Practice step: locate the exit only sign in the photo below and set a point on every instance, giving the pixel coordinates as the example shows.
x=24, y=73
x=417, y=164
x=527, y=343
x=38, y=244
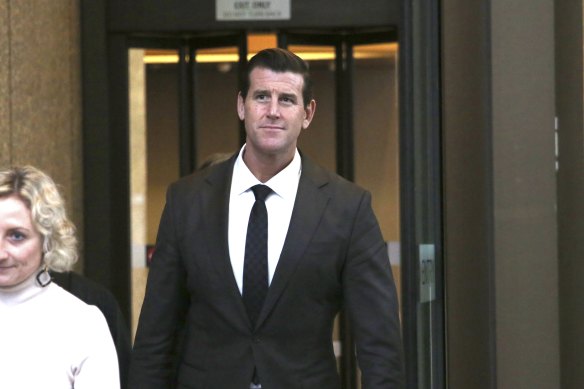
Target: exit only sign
x=252, y=9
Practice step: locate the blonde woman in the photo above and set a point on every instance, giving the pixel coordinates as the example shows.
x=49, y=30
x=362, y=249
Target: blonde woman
x=49, y=338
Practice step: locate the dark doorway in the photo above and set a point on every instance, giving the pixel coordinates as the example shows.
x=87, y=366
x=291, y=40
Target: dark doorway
x=345, y=136
x=182, y=110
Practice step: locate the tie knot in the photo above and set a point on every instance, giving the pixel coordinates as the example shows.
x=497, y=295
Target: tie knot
x=261, y=191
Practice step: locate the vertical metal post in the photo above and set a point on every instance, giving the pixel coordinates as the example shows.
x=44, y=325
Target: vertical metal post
x=242, y=65
x=345, y=167
x=186, y=116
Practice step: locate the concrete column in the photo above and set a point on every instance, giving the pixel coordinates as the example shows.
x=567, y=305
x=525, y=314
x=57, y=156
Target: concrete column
x=5, y=141
x=570, y=112
x=467, y=168
x=500, y=194
x=524, y=194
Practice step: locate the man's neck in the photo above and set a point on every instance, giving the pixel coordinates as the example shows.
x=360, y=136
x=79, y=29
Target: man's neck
x=265, y=167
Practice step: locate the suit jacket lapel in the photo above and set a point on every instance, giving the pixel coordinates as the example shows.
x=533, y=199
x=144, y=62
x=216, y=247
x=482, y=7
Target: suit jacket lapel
x=309, y=205
x=216, y=217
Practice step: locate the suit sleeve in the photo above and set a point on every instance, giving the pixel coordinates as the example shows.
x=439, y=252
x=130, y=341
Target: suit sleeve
x=371, y=302
x=152, y=365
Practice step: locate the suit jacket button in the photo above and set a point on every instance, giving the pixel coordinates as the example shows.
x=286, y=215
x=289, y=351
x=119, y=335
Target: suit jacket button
x=256, y=339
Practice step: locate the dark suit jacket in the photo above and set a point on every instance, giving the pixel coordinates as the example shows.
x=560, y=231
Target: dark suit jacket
x=333, y=256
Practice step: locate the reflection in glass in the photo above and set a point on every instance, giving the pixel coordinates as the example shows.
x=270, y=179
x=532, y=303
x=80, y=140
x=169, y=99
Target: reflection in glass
x=216, y=87
x=376, y=137
x=319, y=141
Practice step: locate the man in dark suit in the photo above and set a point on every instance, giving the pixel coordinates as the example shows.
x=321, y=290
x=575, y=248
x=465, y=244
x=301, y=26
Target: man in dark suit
x=257, y=313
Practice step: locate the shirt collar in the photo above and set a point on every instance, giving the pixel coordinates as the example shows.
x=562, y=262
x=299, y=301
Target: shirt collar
x=284, y=184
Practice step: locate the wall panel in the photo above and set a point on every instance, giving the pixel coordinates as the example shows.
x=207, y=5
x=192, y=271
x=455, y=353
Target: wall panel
x=180, y=15
x=5, y=152
x=570, y=112
x=40, y=82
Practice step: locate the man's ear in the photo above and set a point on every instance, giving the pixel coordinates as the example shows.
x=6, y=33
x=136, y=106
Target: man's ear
x=309, y=110
x=240, y=106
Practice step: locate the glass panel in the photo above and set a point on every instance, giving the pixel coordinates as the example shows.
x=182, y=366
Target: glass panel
x=138, y=180
x=376, y=142
x=318, y=142
x=162, y=129
x=216, y=86
x=257, y=42
x=217, y=55
x=376, y=139
x=154, y=117
x=427, y=195
x=153, y=153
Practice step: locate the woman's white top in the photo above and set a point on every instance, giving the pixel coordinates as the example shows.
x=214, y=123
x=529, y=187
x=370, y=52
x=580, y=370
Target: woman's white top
x=52, y=340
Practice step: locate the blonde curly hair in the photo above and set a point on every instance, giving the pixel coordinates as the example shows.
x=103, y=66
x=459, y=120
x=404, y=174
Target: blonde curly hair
x=40, y=194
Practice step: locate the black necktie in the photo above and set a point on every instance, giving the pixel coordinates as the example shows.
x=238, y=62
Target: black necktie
x=255, y=266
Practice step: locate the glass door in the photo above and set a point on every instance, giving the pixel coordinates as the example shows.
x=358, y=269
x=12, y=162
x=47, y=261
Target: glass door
x=357, y=94
x=180, y=94
x=213, y=75
x=375, y=125
x=423, y=303
x=150, y=129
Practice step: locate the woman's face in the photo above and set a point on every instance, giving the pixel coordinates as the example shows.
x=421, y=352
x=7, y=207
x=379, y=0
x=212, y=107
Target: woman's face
x=20, y=242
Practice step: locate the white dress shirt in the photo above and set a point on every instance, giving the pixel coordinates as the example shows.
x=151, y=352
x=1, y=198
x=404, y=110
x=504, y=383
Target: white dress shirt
x=279, y=205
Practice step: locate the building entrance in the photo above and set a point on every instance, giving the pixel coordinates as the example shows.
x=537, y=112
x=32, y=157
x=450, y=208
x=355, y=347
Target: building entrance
x=182, y=95
x=160, y=81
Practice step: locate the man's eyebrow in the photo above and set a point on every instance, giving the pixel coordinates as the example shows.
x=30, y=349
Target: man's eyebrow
x=285, y=95
x=261, y=92
x=291, y=96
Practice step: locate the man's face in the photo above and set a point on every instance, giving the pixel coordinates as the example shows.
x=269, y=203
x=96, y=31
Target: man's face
x=274, y=112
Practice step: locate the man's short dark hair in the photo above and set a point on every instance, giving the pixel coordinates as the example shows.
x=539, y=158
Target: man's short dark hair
x=280, y=60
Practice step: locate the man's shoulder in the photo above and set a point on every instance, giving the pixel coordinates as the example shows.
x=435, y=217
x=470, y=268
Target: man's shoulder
x=328, y=179
x=211, y=175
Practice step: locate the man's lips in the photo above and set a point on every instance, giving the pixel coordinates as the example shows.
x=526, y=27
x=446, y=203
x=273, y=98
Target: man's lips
x=272, y=126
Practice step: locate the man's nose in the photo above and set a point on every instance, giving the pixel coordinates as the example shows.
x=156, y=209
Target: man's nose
x=274, y=108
